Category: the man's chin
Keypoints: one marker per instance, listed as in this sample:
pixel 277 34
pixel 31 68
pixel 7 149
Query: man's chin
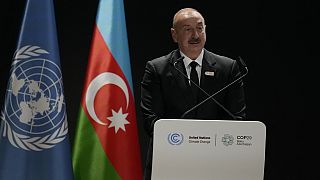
pixel 195 47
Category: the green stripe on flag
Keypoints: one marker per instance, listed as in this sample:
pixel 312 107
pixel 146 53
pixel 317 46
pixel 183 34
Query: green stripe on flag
pixel 89 159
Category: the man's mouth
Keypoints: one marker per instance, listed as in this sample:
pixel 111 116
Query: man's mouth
pixel 194 42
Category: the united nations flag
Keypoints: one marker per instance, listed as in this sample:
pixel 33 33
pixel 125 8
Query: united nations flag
pixel 34 142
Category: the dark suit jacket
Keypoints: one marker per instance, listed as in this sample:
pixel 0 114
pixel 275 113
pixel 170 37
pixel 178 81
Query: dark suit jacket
pixel 166 93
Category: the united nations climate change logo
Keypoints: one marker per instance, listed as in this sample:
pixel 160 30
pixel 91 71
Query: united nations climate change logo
pixel 175 138
pixel 34 114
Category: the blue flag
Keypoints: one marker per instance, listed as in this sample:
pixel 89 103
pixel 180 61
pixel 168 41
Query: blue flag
pixel 34 142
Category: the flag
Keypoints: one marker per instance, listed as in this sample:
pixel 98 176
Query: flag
pixel 34 141
pixel 106 142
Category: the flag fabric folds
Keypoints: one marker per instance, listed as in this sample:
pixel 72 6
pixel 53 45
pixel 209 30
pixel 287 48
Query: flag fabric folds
pixel 34 141
pixel 106 142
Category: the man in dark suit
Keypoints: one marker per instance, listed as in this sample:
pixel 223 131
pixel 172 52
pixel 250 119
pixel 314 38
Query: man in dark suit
pixel 167 92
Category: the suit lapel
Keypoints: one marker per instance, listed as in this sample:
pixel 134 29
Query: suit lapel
pixel 208 76
pixel 180 76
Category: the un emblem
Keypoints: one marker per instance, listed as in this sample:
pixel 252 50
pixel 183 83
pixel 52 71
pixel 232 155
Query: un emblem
pixel 34 114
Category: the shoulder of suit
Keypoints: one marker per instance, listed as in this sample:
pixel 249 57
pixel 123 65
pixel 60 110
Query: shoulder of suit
pixel 219 58
pixel 160 61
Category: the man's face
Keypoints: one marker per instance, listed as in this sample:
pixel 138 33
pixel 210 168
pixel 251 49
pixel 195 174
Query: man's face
pixel 189 33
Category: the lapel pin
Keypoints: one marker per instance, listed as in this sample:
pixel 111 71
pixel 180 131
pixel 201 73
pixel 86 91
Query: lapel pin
pixel 209 73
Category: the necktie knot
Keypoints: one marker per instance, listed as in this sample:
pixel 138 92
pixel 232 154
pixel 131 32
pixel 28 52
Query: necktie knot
pixel 193 65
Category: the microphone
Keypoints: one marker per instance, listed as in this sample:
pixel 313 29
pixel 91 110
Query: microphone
pixel 241 62
pixel 211 96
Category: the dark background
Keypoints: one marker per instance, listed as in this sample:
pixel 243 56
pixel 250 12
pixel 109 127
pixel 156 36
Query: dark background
pixel 276 39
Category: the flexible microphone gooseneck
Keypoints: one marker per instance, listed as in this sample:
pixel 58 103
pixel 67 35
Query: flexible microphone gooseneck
pixel 211 96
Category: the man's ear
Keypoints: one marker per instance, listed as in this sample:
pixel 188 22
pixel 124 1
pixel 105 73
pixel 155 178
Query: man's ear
pixel 174 35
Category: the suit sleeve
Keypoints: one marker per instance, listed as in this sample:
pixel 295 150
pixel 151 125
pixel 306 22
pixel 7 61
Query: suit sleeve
pixel 235 99
pixel 151 97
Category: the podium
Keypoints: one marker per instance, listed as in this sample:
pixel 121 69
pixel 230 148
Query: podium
pixel 208 150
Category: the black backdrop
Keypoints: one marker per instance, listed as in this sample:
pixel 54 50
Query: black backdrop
pixel 276 39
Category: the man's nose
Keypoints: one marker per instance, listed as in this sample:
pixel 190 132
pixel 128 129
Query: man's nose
pixel 195 34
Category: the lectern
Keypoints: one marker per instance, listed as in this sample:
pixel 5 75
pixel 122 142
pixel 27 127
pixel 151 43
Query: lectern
pixel 208 150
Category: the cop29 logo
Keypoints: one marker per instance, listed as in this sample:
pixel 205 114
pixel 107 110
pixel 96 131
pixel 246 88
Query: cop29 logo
pixel 175 138
pixel 227 139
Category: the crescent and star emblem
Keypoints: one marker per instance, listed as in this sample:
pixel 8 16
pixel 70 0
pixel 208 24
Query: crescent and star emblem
pixel 118 119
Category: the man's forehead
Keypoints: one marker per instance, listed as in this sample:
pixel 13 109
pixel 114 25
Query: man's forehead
pixel 189 14
pixel 186 24
pixel 186 16
pixel 187 21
